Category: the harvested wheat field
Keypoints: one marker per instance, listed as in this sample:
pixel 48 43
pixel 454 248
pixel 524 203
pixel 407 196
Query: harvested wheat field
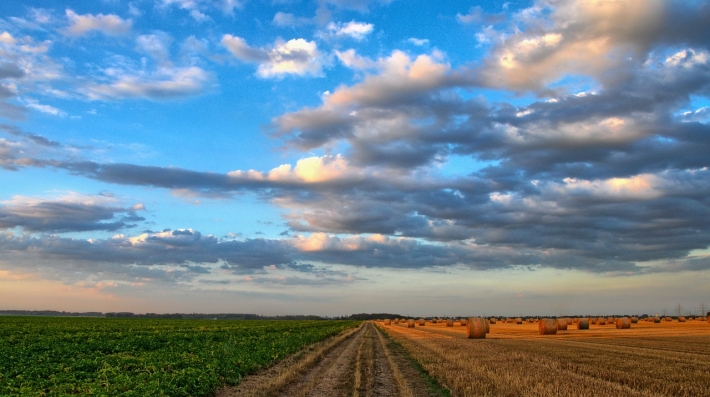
pixel 649 359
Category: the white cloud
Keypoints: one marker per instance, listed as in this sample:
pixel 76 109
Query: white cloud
pixel 47 109
pixel 352 60
pixel 418 42
pixel 352 29
pixel 6 38
pixel 307 170
pixel 198 8
pixel 108 24
pixel 284 19
pixel 295 57
pixel 164 83
pixel 156 45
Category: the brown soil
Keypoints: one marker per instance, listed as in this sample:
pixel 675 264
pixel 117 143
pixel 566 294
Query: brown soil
pixel 362 363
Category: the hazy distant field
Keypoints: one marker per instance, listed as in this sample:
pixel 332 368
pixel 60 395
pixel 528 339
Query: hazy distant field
pixel 647 360
pixel 42 356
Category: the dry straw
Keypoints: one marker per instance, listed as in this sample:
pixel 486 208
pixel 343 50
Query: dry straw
pixel 681 319
pixel 388 321
pixel 562 324
pixel 601 321
pixel 634 320
pixel 421 322
pixel 623 323
pixel 547 326
pixel 492 320
pixel 410 324
pixel 656 320
pixel 476 328
pixel 463 322
pixel 518 320
pixel 449 323
pixel 583 323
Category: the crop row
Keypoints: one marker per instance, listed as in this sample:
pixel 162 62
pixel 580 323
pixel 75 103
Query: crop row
pixel 139 357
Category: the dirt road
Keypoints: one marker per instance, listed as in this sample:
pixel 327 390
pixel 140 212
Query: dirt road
pixel 362 363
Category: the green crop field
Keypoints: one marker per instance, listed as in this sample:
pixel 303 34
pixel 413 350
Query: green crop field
pixel 41 356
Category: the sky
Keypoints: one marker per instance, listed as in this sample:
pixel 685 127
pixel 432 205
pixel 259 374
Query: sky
pixel 330 157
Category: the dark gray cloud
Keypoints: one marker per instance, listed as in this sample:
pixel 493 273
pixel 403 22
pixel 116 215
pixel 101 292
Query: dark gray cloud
pixel 67 214
pixel 188 248
pixel 10 70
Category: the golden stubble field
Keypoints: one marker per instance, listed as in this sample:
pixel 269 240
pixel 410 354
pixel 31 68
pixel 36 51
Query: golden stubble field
pixel 665 359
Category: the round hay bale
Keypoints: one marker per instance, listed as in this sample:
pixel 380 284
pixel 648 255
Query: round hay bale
pixel 421 322
pixel 488 325
pixel 668 319
pixel 681 319
pixel 433 321
pixel 656 320
pixel 547 326
pixel 476 328
pixel 449 323
pixel 610 320
pixel 583 323
pixel 601 321
pixel 518 320
pixel 463 322
pixel 492 320
pixel 410 323
pixel 562 324
pixel 530 321
pixel 593 321
pixel 708 319
pixel 623 323
pixel 634 320
pixel 388 321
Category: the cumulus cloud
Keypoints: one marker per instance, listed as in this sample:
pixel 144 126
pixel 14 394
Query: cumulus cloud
pixel 110 24
pixel 610 177
pixel 583 37
pixel 294 57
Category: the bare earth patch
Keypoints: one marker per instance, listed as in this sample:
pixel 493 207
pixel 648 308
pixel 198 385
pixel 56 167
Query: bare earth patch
pixel 362 362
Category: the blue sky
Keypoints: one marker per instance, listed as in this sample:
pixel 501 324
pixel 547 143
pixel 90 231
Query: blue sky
pixel 340 156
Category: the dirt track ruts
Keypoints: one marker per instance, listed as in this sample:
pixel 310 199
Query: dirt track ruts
pixel 365 363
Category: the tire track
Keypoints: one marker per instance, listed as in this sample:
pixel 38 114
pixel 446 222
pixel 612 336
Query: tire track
pixel 361 364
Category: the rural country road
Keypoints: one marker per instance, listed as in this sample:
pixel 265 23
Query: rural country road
pixel 364 363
